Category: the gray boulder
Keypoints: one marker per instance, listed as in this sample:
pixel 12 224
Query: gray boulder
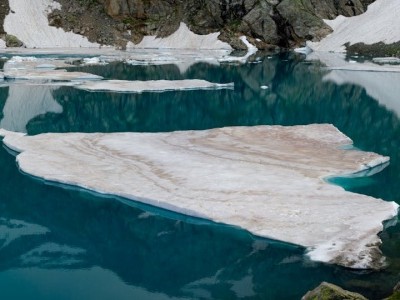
pixel 328 291
pixel 13 41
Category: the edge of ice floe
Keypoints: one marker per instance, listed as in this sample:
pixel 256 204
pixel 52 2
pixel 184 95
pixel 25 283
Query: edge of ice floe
pixel 359 258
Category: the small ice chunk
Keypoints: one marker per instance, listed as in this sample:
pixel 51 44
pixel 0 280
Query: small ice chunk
pixel 386 60
pixel 94 61
pixel 303 50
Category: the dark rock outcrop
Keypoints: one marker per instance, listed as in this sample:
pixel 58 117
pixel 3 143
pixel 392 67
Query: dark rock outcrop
pixel 285 23
pixel 396 293
pixel 328 291
pixel 4 10
pixel 379 49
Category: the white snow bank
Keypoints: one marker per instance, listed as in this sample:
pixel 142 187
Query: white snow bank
pixel 28 21
pixel 380 23
pixel 183 38
pixel 266 179
pixel 25 103
pixel 151 85
pixel 2 44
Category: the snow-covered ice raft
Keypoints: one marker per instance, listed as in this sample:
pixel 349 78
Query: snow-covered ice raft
pixel 268 180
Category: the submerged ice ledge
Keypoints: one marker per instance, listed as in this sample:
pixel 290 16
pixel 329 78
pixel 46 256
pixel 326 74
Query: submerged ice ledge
pixel 266 179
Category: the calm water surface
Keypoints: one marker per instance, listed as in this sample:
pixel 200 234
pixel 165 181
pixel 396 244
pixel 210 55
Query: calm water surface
pixel 66 243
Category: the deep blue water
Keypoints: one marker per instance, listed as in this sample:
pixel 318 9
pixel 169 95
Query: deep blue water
pixel 64 243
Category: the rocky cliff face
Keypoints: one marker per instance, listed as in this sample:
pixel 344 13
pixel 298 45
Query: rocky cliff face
pixel 284 23
pixel 4 10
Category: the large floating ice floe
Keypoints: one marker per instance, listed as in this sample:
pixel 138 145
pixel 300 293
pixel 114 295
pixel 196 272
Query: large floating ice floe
pixel 266 179
pixel 380 23
pixel 28 21
pixel 138 86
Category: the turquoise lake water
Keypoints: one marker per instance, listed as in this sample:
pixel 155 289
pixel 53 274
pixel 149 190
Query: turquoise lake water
pixel 63 243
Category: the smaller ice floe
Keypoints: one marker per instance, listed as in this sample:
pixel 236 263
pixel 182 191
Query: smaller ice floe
pixel 46 66
pixel 386 60
pixel 50 75
pixel 152 85
pixel 42 69
pixel 94 61
pixel 1 76
pixel 32 62
pixel 183 38
pixel 251 49
pixel 153 60
pixel 268 180
pixel 303 50
pixel 264 87
pixel 19 59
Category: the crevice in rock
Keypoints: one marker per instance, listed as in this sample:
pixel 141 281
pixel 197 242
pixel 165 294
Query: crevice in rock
pixel 286 33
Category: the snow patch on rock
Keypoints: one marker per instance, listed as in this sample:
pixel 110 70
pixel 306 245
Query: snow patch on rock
pixel 183 38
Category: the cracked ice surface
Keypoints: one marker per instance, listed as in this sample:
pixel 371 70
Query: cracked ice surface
pixel 266 179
